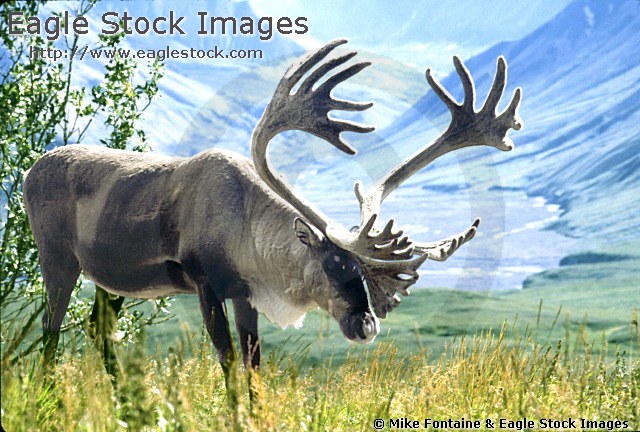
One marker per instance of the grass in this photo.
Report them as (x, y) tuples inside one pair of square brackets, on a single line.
[(496, 375), (564, 347)]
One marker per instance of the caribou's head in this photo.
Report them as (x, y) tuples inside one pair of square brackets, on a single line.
[(344, 296), (385, 259)]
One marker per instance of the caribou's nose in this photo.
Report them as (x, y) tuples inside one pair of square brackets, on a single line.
[(370, 327), (362, 327)]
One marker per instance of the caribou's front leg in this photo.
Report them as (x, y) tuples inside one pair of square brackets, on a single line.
[(215, 319), (247, 326)]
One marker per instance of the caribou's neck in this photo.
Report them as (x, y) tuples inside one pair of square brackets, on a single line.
[(281, 272), (279, 261)]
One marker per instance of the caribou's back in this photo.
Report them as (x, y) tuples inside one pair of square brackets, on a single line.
[(134, 221)]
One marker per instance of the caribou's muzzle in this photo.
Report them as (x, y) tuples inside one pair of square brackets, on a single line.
[(360, 327)]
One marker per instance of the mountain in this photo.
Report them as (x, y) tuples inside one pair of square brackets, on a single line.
[(418, 34), (580, 74), (574, 168), (580, 147)]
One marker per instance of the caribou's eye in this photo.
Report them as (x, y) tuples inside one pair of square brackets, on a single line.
[(334, 262)]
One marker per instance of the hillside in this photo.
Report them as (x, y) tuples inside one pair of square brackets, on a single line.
[(579, 149), (580, 146)]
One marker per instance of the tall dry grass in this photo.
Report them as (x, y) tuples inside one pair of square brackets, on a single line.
[(495, 375)]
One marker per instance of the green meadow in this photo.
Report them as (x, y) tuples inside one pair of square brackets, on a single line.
[(564, 347)]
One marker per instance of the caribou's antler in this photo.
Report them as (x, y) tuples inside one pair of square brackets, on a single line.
[(385, 256), (307, 110), (365, 240), (389, 260), (467, 128), (443, 249)]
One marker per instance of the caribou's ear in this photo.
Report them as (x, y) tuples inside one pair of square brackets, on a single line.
[(307, 234)]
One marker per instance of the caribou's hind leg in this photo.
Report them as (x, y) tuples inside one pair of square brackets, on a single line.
[(60, 271), (102, 324), (247, 326)]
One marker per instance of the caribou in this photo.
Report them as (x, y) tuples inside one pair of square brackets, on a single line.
[(225, 227)]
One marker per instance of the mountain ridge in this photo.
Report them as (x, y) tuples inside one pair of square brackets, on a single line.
[(581, 78)]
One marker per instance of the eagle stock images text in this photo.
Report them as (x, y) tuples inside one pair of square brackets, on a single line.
[(113, 22)]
